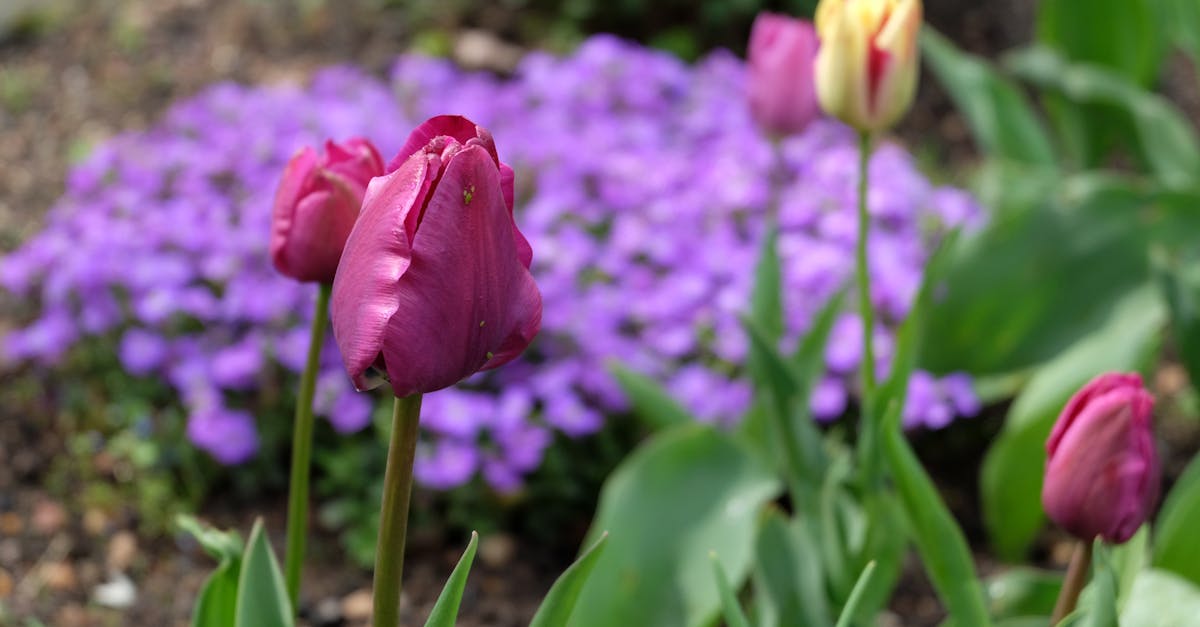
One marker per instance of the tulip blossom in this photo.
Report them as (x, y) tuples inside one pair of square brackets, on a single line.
[(780, 73), (1102, 473), (434, 284), (316, 205), (866, 70)]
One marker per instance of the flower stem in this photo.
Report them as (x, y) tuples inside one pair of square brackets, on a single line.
[(393, 514), (302, 435), (1077, 574), (869, 430)]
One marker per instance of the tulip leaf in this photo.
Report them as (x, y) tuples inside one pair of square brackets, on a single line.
[(1183, 23), (1011, 478), (216, 604), (1121, 35), (1176, 542), (809, 358), (556, 608), (1160, 599), (445, 609), (730, 608), (689, 477), (939, 539), (1168, 141), (1003, 123), (856, 595), (262, 599), (1098, 603), (1044, 273), (1023, 591), (789, 575), (649, 400), (1181, 288), (766, 299)]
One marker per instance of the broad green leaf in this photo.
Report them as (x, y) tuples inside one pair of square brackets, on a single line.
[(856, 596), (1023, 592), (940, 541), (1011, 478), (809, 357), (691, 478), (1121, 35), (1183, 24), (556, 608), (445, 609), (1167, 139), (1127, 560), (649, 400), (1161, 599), (1038, 278), (1001, 120), (885, 542), (1180, 283), (216, 605), (262, 600), (730, 608), (1176, 540), (789, 573)]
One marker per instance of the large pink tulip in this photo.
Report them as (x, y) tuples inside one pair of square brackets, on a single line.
[(434, 284), (779, 81), (316, 205), (1102, 475)]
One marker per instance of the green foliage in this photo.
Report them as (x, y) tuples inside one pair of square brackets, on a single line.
[(262, 599), (1118, 34), (734, 617), (558, 606), (787, 573), (216, 604), (445, 609), (1176, 543), (1002, 121), (648, 400), (1022, 592), (690, 477), (1161, 599)]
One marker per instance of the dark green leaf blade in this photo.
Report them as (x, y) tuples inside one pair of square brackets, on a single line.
[(445, 609)]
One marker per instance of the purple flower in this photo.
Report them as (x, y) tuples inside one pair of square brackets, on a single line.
[(142, 352), (229, 436)]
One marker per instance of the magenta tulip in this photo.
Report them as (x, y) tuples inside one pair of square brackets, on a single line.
[(316, 206), (434, 284), (783, 99), (1102, 475)]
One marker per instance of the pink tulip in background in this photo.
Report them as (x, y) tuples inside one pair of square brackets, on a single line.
[(1102, 475), (779, 81), (316, 206), (434, 284)]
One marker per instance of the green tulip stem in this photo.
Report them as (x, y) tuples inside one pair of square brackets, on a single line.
[(302, 436), (1076, 579), (869, 428), (393, 514)]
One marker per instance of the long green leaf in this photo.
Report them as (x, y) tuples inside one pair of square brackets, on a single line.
[(787, 570), (940, 541), (262, 597), (691, 477), (216, 605), (734, 617), (1168, 141), (1023, 591), (1176, 541), (445, 609), (766, 298), (1001, 120), (1099, 601), (649, 400), (557, 607), (1121, 35), (1161, 599), (856, 595)]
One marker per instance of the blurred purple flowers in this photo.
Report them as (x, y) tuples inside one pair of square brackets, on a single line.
[(645, 245)]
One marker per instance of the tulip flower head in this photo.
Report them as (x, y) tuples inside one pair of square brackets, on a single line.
[(434, 284), (779, 83), (1102, 472), (866, 70), (316, 206)]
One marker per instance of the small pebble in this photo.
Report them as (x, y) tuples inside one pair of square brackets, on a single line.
[(6, 584), (357, 605), (122, 548), (11, 524), (118, 593), (327, 613), (497, 550), (95, 521), (71, 615), (49, 517), (59, 576)]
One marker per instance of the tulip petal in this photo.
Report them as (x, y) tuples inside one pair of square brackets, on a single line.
[(456, 126), (297, 176), (507, 180), (376, 257), (466, 300)]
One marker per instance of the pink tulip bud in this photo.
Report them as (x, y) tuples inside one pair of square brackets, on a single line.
[(316, 206), (779, 84), (1102, 472), (434, 284)]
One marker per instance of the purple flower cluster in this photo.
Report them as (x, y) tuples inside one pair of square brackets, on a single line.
[(642, 185)]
